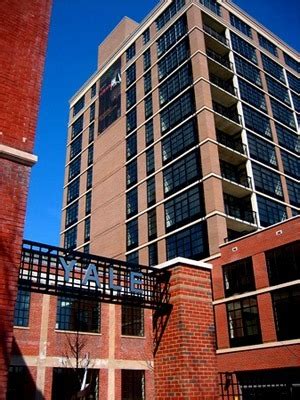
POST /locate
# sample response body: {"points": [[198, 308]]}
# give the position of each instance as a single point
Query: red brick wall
{"points": [[23, 34], [185, 363]]}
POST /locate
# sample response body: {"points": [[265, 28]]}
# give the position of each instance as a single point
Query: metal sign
{"points": [[55, 270]]}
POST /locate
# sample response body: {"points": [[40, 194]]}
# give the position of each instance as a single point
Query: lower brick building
{"points": [[232, 332]]}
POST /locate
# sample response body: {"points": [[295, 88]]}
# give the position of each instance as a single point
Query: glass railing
{"points": [[224, 61], [221, 38]]}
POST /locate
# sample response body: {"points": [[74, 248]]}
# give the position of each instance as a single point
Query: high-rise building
{"points": [[184, 138]]}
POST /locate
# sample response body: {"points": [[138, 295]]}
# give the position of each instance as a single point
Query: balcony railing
{"points": [[243, 180], [217, 57], [221, 38], [230, 112], [240, 213], [226, 85], [227, 141]]}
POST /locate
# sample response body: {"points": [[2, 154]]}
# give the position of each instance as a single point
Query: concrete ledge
{"points": [[184, 262], [18, 156]]}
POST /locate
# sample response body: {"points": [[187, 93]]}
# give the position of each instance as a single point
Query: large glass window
{"points": [[240, 25], [238, 277], [22, 308], [131, 121], [91, 132], [71, 238], [149, 134], [76, 147], [181, 173], [131, 146], [294, 192], [153, 254], [213, 5], [266, 44], [146, 36], [67, 383], [131, 97], [131, 173], [277, 90], [291, 62], [87, 229], [150, 165], [74, 168], [90, 157], [132, 234], [284, 263], [296, 102], [148, 106], [189, 243], [171, 36], [169, 13], [133, 257], [132, 321], [252, 95], [73, 190], [77, 315], [247, 70], [256, 121], [243, 321], [130, 75], [261, 150], [286, 304], [242, 47], [77, 127], [152, 225], [92, 111], [88, 203], [78, 106], [184, 208], [294, 82], [175, 84], [272, 67], [291, 164], [270, 212], [89, 178], [93, 90], [151, 193], [288, 139], [71, 214], [130, 52], [178, 141], [177, 111], [133, 384], [132, 203], [147, 82], [20, 381], [266, 181], [147, 59], [173, 59]]}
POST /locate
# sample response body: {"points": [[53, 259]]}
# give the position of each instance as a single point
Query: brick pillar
{"points": [[185, 362], [23, 35]]}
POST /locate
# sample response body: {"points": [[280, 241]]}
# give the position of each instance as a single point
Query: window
{"points": [[153, 254], [133, 384], [184, 208], [20, 381], [284, 263], [131, 146], [133, 258], [175, 84], [146, 36], [287, 138], [150, 166], [277, 90], [294, 192], [212, 5], [262, 151], [71, 214], [87, 229], [147, 82], [86, 248], [294, 82], [243, 321], [291, 62], [147, 59], [242, 47], [291, 164], [89, 178], [88, 203], [130, 52], [266, 181], [169, 13], [93, 90], [76, 147], [73, 190], [91, 132], [74, 168], [171, 36], [296, 102], [266, 44], [240, 25], [152, 226], [181, 173], [131, 120], [71, 238], [247, 70], [252, 95], [78, 106], [131, 97], [239, 208], [151, 193], [272, 67], [131, 171], [148, 106], [22, 307], [149, 135], [90, 157], [256, 121], [189, 243], [178, 141], [92, 112], [132, 321], [132, 203], [173, 59], [130, 75], [77, 315], [270, 212], [77, 127], [132, 234], [238, 277], [177, 111], [286, 303]]}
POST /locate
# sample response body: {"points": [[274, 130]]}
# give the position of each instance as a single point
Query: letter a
{"points": [[91, 275]]}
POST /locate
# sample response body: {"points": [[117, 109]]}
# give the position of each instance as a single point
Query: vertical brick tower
{"points": [[23, 36]]}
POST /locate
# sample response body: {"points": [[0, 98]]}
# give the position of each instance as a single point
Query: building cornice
{"points": [[17, 156]]}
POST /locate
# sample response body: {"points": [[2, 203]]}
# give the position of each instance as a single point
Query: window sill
{"points": [[132, 337], [26, 328], [79, 332]]}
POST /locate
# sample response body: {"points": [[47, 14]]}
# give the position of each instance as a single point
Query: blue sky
{"points": [[77, 28]]}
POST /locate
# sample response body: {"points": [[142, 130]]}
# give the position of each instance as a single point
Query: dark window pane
{"points": [[266, 44], [133, 384], [238, 277], [22, 308], [169, 13], [78, 106], [240, 25], [270, 212], [132, 321]]}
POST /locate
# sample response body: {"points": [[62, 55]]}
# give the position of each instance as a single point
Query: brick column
{"points": [[23, 35], [185, 361]]}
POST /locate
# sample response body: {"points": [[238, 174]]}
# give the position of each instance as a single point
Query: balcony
{"points": [[227, 119], [223, 91], [216, 35], [231, 142], [225, 85], [227, 112], [236, 182], [219, 65], [239, 209], [215, 40]]}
